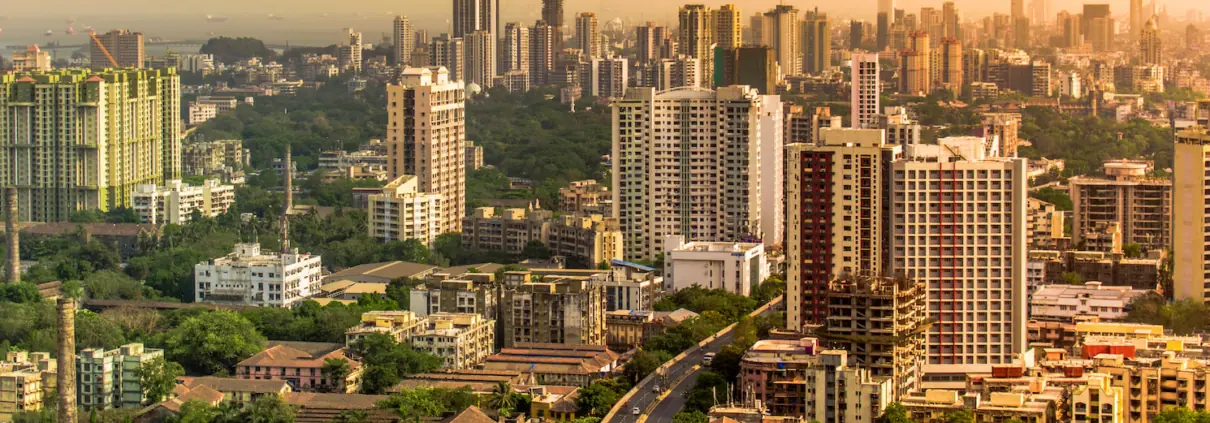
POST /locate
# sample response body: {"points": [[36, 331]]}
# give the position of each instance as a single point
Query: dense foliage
{"points": [[1085, 142], [387, 362], [1060, 199], [1182, 317], [263, 409], [211, 342], [227, 49], [1181, 415]]}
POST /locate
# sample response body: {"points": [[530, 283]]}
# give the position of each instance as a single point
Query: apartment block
{"points": [[836, 194], [730, 266], [627, 329], [1127, 196], [959, 223], [474, 156], [866, 91], [32, 59], [400, 325], [843, 391], [1153, 384], [754, 66], [474, 293], [881, 323], [1044, 224], [1191, 211], [140, 144], [568, 311], [628, 286], [401, 212], [689, 162], [119, 48], [673, 72], [591, 238], [248, 277], [426, 136], [300, 364], [933, 405], [900, 129], [583, 196], [774, 372], [176, 202], [462, 340], [796, 378], [110, 379], [1112, 269], [26, 379]]}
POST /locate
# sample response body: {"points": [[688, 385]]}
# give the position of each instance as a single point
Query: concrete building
{"points": [[675, 72], [1155, 383], [248, 277], [591, 238], [474, 293], [588, 35], [448, 53], [434, 150], [124, 47], [774, 372], [900, 129], [1044, 224], [400, 325], [463, 341], [779, 30], [583, 196], [480, 59], [514, 55], [714, 193], [729, 266], [349, 52], [1049, 267], [826, 185], [199, 113], [754, 66], [141, 144], [866, 91], [881, 323], [988, 283], [933, 405], [110, 379], [566, 364], [606, 77], [404, 38], [627, 329], [816, 43], [32, 59], [1151, 47], [202, 158], [1141, 206], [400, 212], [649, 40], [1189, 218], [26, 381], [475, 15], [300, 364], [696, 35], [176, 202], [568, 311], [544, 39], [950, 66], [474, 156], [840, 390], [728, 29], [1066, 302], [795, 378]]}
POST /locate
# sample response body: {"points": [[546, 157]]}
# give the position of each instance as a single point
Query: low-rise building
{"points": [[626, 329], [582, 196], [1153, 384], [567, 311], [935, 405], [1044, 224], [200, 113], [110, 379], [239, 391], [25, 380], [383, 272], [481, 382], [32, 59], [795, 378], [300, 364], [730, 266], [463, 340], [401, 325], [774, 373], [202, 158], [249, 277], [1066, 302], [401, 212], [628, 286], [474, 156], [591, 238], [1046, 267], [475, 293], [556, 364], [176, 202]]}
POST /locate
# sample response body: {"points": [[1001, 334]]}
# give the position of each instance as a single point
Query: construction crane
{"points": [[105, 51]]}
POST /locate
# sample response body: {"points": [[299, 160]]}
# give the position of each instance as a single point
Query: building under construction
{"points": [[881, 322]]}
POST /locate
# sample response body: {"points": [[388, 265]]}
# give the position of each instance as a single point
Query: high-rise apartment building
{"points": [[688, 162], [1139, 206], [552, 14], [1098, 26], [754, 66], [588, 36], [881, 323], [127, 122], [542, 42], [960, 229], [606, 77], [951, 28], [780, 31], [886, 13], [1017, 9], [696, 36], [426, 133], [449, 53], [1071, 28], [515, 48], [401, 212], [816, 43], [1191, 211], [475, 15], [1150, 44], [349, 51], [481, 57], [650, 42], [682, 71], [835, 197], [32, 59], [866, 91], [856, 34], [1136, 20], [728, 28], [404, 36], [951, 65], [900, 129], [915, 70], [123, 46]]}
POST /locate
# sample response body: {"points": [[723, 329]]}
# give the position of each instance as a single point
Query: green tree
{"points": [[502, 399], [960, 416], [213, 342], [643, 363], [710, 389], [20, 293], [387, 362], [1132, 250], [334, 372], [414, 404], [690, 417], [1050, 195], [112, 285], [1183, 317], [597, 399], [1072, 278], [95, 331], [158, 378], [770, 288], [894, 413], [1181, 415]]}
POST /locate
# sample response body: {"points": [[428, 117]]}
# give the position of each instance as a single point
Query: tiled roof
{"points": [[470, 415], [223, 384], [287, 356]]}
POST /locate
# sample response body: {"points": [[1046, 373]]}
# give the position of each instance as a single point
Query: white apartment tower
{"points": [[175, 202], [481, 58], [404, 36], [688, 162], [682, 71], [426, 137], [475, 15], [588, 35], [779, 30], [866, 91], [958, 210], [608, 77], [350, 53], [515, 54]]}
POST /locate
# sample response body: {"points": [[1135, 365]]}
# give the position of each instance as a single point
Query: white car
{"points": [[635, 411]]}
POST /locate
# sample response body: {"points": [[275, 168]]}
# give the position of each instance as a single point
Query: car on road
{"points": [[655, 389], [709, 359], [635, 411]]}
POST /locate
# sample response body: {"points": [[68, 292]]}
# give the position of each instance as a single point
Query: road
{"points": [[659, 408]]}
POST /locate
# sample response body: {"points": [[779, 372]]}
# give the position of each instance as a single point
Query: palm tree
{"points": [[502, 399], [334, 372]]}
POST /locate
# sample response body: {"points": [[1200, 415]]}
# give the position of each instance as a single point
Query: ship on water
{"points": [[212, 18]]}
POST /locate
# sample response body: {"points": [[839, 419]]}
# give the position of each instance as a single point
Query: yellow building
{"points": [[463, 340], [25, 379], [401, 325], [626, 329], [401, 212], [553, 403], [1098, 401], [1153, 384], [1128, 330], [1190, 219]]}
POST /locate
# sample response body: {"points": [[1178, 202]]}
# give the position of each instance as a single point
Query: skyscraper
{"points": [[681, 71], [606, 77], [1136, 20], [1017, 9], [915, 72], [949, 21], [867, 89], [696, 32], [780, 31], [1150, 44], [1070, 27], [125, 47], [951, 65], [552, 14], [1097, 24], [515, 56], [475, 15], [700, 177], [587, 35], [542, 41], [426, 136], [480, 58], [754, 66], [404, 37], [124, 126], [886, 13], [449, 53], [856, 34], [728, 29], [350, 51], [1190, 218], [650, 40], [816, 43]]}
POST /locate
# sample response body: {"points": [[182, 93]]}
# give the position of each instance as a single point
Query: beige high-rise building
{"points": [[960, 229], [951, 65], [779, 30], [915, 70], [588, 35], [1151, 46], [696, 38], [543, 38], [125, 124], [650, 42], [515, 54], [866, 91], [728, 28], [125, 47], [1140, 206], [816, 43], [1191, 211], [449, 53], [426, 137], [404, 36], [949, 21], [480, 59], [689, 162]]}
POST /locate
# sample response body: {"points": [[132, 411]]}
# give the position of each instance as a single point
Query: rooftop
{"points": [[384, 270]]}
